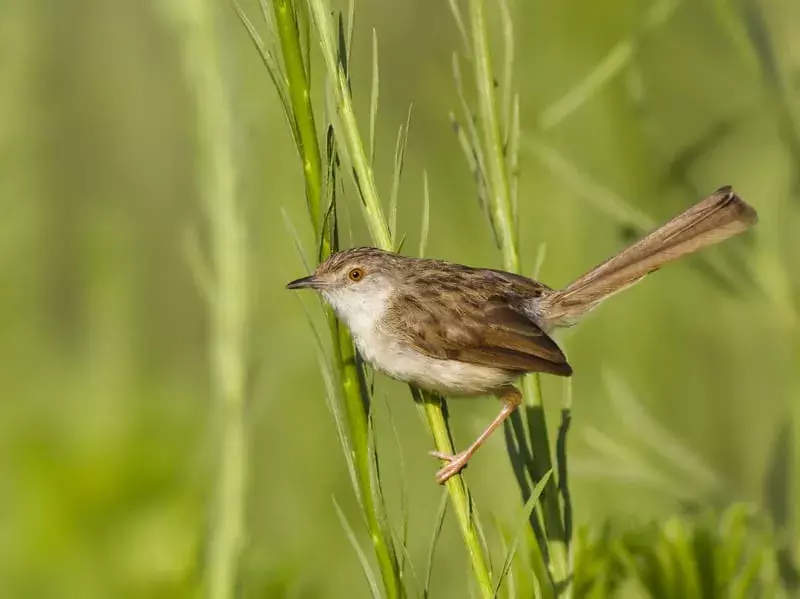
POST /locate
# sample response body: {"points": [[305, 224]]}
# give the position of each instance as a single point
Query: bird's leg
{"points": [[511, 398]]}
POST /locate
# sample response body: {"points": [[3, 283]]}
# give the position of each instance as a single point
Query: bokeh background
{"points": [[107, 441]]}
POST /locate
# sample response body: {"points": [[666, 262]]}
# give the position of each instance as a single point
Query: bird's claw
{"points": [[455, 464]]}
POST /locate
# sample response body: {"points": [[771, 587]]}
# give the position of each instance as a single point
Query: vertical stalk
{"points": [[433, 409], [498, 188], [381, 237], [227, 306], [356, 397], [305, 125], [373, 211], [499, 196]]}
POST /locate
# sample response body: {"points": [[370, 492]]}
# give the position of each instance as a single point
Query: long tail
{"points": [[721, 215]]}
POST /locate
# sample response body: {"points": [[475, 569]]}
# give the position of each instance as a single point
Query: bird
{"points": [[463, 331]]}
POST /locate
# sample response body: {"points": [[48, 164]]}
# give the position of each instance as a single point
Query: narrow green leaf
{"points": [[351, 25], [273, 70], [507, 98], [459, 19], [400, 244], [304, 27], [513, 161], [609, 67], [522, 526], [591, 190], [437, 531], [298, 244], [477, 174], [362, 558], [266, 13], [333, 403], [426, 216], [373, 100], [198, 265], [511, 585], [399, 160], [541, 254], [402, 541]]}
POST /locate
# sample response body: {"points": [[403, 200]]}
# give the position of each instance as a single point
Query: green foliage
{"points": [[729, 555]]}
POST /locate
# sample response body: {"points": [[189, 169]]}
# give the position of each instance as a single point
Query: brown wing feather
{"points": [[487, 331]]}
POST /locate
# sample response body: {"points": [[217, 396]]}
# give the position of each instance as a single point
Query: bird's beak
{"points": [[305, 282]]}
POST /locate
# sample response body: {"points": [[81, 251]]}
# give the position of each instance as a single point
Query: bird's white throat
{"points": [[361, 307], [362, 310]]}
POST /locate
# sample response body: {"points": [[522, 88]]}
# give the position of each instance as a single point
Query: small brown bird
{"points": [[463, 331]]}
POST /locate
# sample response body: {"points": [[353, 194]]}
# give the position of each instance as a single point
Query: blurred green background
{"points": [[106, 444]]}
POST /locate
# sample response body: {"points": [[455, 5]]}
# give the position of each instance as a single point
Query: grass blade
{"points": [[273, 69], [437, 531], [426, 216], [399, 160], [373, 99], [459, 19], [522, 527], [362, 558], [507, 98]]}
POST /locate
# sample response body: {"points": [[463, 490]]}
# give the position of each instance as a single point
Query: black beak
{"points": [[303, 283]]}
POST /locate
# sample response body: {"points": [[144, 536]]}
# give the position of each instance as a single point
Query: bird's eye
{"points": [[356, 274]]}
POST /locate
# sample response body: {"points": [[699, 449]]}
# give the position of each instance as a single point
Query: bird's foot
{"points": [[455, 464]]}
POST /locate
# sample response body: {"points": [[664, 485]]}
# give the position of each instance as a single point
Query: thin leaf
{"points": [[587, 187], [298, 244], [504, 547], [273, 69], [513, 161], [470, 144], [426, 216], [508, 71], [351, 25], [561, 462], [404, 503], [362, 558], [304, 25], [521, 528], [266, 13], [462, 30], [399, 160], [437, 531], [609, 67], [373, 99], [541, 254], [198, 265], [333, 403], [400, 245]]}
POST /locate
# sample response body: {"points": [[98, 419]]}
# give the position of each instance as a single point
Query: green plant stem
{"points": [[502, 210], [373, 211], [227, 308], [382, 238], [356, 398], [499, 191], [357, 409], [433, 410], [542, 463], [300, 98]]}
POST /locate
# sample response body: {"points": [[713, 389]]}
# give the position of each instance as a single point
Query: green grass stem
{"points": [[355, 394], [500, 197], [228, 291], [382, 237]]}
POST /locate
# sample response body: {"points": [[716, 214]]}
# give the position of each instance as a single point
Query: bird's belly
{"points": [[448, 377]]}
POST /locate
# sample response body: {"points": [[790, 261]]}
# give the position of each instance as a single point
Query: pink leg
{"points": [[511, 399]]}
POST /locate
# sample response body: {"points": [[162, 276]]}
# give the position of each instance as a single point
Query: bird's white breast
{"points": [[390, 354]]}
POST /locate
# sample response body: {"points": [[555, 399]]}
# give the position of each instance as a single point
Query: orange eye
{"points": [[356, 274]]}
